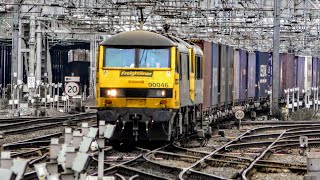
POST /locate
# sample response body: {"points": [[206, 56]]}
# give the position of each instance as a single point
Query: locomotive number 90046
{"points": [[158, 85]]}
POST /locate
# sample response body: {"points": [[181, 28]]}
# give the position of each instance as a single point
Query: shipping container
{"points": [[263, 70], [308, 74], [287, 73], [5, 64], [251, 75], [314, 72], [236, 87], [207, 50], [243, 75], [318, 73], [301, 72], [223, 63], [215, 75], [229, 75]]}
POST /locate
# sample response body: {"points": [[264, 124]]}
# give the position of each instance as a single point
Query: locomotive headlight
{"points": [[161, 93], [112, 92], [155, 93]]}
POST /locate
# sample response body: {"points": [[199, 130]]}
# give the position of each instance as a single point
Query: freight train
{"points": [[159, 87]]}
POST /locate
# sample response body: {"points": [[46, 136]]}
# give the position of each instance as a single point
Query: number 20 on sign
{"points": [[72, 89]]}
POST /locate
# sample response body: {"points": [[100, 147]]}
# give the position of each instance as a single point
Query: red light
{"points": [[108, 101], [163, 102]]}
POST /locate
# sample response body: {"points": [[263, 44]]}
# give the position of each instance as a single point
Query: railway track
{"points": [[39, 124], [241, 157], [262, 150]]}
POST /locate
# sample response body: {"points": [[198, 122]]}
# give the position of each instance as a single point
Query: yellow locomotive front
{"points": [[137, 85]]}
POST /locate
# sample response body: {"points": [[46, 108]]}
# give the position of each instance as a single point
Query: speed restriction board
{"points": [[239, 114], [72, 89]]}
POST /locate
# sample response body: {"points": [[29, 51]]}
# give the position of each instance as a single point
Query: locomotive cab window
{"points": [[116, 57], [137, 58]]}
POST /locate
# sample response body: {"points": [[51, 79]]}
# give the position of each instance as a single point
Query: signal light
{"points": [[108, 101], [163, 102]]}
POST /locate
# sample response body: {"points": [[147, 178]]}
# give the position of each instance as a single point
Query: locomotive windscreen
{"points": [[137, 58]]}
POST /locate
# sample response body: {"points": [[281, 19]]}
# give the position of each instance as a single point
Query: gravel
{"points": [[276, 176], [34, 134], [226, 172], [150, 168], [30, 135], [173, 163], [289, 158]]}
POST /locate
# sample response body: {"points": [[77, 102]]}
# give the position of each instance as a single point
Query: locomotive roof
{"points": [[139, 38]]}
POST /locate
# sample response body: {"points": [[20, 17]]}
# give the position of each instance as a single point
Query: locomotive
{"points": [[151, 87]]}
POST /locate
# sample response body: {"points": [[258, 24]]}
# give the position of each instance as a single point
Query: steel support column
{"points": [[275, 59], [39, 53], [15, 36]]}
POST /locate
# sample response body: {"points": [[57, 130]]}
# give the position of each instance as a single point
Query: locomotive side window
{"points": [[188, 67], [198, 66], [177, 68], [201, 67], [181, 67], [184, 60]]}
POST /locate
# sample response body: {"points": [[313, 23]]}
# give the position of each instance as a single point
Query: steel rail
{"points": [[277, 122], [209, 155], [243, 174], [41, 127]]}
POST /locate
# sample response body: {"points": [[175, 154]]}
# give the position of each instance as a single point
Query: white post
{"points": [[38, 51], [101, 144], [317, 98], [298, 97], [53, 94], [293, 102], [314, 98], [58, 85], [287, 92]]}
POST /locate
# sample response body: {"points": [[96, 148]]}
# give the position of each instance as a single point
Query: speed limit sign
{"points": [[239, 114], [72, 89]]}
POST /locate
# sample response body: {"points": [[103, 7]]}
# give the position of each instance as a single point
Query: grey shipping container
{"points": [[318, 73], [287, 73], [236, 87], [300, 72], [230, 55], [262, 74], [314, 72], [207, 50], [308, 74], [223, 83], [215, 75], [243, 75], [251, 75]]}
